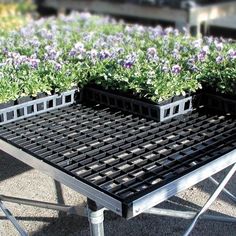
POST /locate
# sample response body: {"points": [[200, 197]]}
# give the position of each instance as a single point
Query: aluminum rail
{"points": [[176, 186], [188, 215], [98, 196]]}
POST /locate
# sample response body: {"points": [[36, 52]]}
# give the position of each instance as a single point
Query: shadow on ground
{"points": [[9, 166]]}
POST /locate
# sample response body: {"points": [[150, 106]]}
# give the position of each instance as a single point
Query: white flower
{"points": [[79, 46]]}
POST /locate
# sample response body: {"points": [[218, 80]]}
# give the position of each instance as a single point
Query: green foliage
{"points": [[56, 54]]}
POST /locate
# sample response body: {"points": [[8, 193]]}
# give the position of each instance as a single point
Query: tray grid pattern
{"points": [[121, 154]]}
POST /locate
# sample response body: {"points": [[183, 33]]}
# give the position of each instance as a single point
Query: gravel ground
{"points": [[17, 179]]}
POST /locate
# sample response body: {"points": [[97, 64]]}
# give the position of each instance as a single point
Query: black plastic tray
{"points": [[219, 103], [158, 112]]}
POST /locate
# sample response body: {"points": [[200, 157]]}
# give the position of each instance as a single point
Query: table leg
{"points": [[225, 191], [96, 218], [13, 220], [212, 198]]}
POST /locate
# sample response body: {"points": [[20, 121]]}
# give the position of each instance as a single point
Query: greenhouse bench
{"points": [[121, 162]]}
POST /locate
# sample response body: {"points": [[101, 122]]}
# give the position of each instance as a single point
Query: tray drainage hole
{"points": [[49, 103], [167, 112], [145, 111], [127, 106], [59, 101], [120, 103], [112, 101], [30, 109], [136, 108], [40, 106], [176, 110], [1, 118], [20, 112], [187, 105], [10, 115], [104, 99], [154, 113], [96, 97], [68, 98]]}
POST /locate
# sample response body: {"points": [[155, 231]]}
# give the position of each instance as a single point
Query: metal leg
{"points": [[96, 218], [188, 215], [211, 199], [225, 191], [13, 220], [75, 210]]}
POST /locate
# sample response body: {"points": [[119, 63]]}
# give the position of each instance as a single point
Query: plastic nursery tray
{"points": [[40, 105], [159, 112], [219, 103]]}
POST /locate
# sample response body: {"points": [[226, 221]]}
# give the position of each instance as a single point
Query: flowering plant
{"points": [[55, 54]]}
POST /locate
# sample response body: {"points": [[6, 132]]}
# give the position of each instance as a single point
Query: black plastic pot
{"points": [[7, 104], [41, 95], [24, 99]]}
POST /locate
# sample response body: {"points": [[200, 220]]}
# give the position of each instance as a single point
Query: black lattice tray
{"points": [[124, 156]]}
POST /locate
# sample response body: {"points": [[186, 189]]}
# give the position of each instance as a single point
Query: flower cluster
{"points": [[55, 54]]}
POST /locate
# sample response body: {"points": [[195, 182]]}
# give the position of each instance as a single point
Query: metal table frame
{"points": [[99, 201], [192, 17], [95, 212], [145, 205]]}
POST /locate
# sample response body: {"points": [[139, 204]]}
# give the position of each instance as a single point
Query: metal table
{"points": [[122, 162], [190, 16]]}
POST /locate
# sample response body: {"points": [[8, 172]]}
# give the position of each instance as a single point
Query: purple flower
{"points": [[205, 49], [232, 54], [219, 59], [34, 42], [72, 52], [51, 53], [5, 51], [176, 54], [152, 54], [93, 53], [58, 66], [202, 55], [219, 46], [129, 61], [176, 69], [46, 34], [197, 43], [104, 54], [34, 63], [191, 64], [209, 40]]}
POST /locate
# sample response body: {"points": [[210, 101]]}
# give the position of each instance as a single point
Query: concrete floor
{"points": [[17, 179]]}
